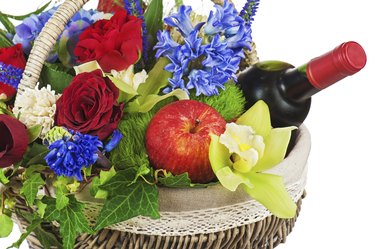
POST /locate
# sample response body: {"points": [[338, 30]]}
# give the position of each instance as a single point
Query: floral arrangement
{"points": [[129, 101]]}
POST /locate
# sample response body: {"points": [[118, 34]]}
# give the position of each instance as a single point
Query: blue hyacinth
{"points": [[204, 63], [70, 154]]}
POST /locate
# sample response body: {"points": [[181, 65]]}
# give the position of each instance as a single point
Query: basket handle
{"points": [[45, 42]]}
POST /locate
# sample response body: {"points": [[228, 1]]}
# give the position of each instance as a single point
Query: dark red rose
{"points": [[114, 44], [12, 63], [13, 141], [109, 6], [89, 105]]}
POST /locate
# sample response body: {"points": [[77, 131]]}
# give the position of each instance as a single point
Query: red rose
{"points": [[89, 105], [13, 142], [109, 6], [12, 63], [114, 44]]}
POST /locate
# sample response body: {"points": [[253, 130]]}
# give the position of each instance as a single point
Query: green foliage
{"points": [[56, 76], [179, 181], [35, 155], [34, 132], [131, 151], [3, 178], [30, 188], [126, 200], [22, 17], [71, 219], [9, 26], [6, 225], [4, 41], [97, 181], [230, 103], [154, 22]]}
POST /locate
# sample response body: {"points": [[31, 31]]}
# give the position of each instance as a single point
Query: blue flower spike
{"points": [[70, 154], [115, 140]]}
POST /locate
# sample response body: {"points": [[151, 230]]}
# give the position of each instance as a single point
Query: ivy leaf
{"points": [[126, 200], [104, 177], [58, 79], [35, 155], [71, 219], [47, 239], [6, 225], [30, 171], [30, 228], [30, 188], [177, 181], [61, 199]]}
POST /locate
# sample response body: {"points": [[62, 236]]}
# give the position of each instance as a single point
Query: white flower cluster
{"points": [[37, 107]]}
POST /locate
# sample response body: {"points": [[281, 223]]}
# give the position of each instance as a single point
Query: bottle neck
{"points": [[301, 83], [296, 86]]}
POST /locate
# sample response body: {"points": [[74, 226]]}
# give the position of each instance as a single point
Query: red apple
{"points": [[178, 138]]}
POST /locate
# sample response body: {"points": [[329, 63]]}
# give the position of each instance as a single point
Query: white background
{"points": [[339, 209]]}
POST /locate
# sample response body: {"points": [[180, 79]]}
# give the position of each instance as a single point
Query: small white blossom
{"points": [[37, 107], [131, 79]]}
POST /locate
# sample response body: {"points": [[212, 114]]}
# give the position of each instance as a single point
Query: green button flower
{"points": [[246, 149]]}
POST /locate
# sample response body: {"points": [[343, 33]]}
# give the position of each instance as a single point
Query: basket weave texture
{"points": [[266, 232]]}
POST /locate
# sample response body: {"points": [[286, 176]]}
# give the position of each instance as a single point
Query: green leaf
{"points": [[7, 23], [154, 22], [35, 155], [34, 132], [4, 41], [126, 200], [104, 177], [270, 191], [30, 188], [6, 226], [57, 78], [3, 178], [146, 103], [47, 239], [258, 117], [71, 219], [61, 199], [41, 208], [178, 181], [276, 145], [30, 171], [22, 17], [157, 78], [30, 228]]}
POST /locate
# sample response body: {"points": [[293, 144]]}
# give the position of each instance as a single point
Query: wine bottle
{"points": [[287, 89]]}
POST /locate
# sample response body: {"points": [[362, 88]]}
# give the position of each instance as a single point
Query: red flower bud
{"points": [[13, 142]]}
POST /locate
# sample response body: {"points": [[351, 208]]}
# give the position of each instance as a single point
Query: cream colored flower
{"points": [[129, 78], [245, 144], [37, 107]]}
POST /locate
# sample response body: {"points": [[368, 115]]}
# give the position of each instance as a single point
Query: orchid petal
{"points": [[258, 117], [276, 145], [232, 179], [270, 191]]}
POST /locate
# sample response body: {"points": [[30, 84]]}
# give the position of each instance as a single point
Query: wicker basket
{"points": [[254, 227]]}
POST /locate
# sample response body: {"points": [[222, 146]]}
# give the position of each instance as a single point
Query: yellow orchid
{"points": [[246, 149]]}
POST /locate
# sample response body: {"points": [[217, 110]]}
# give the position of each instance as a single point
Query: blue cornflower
{"points": [[134, 7], [249, 10], [70, 154]]}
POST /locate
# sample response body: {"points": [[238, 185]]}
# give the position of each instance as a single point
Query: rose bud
{"points": [[13, 142]]}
